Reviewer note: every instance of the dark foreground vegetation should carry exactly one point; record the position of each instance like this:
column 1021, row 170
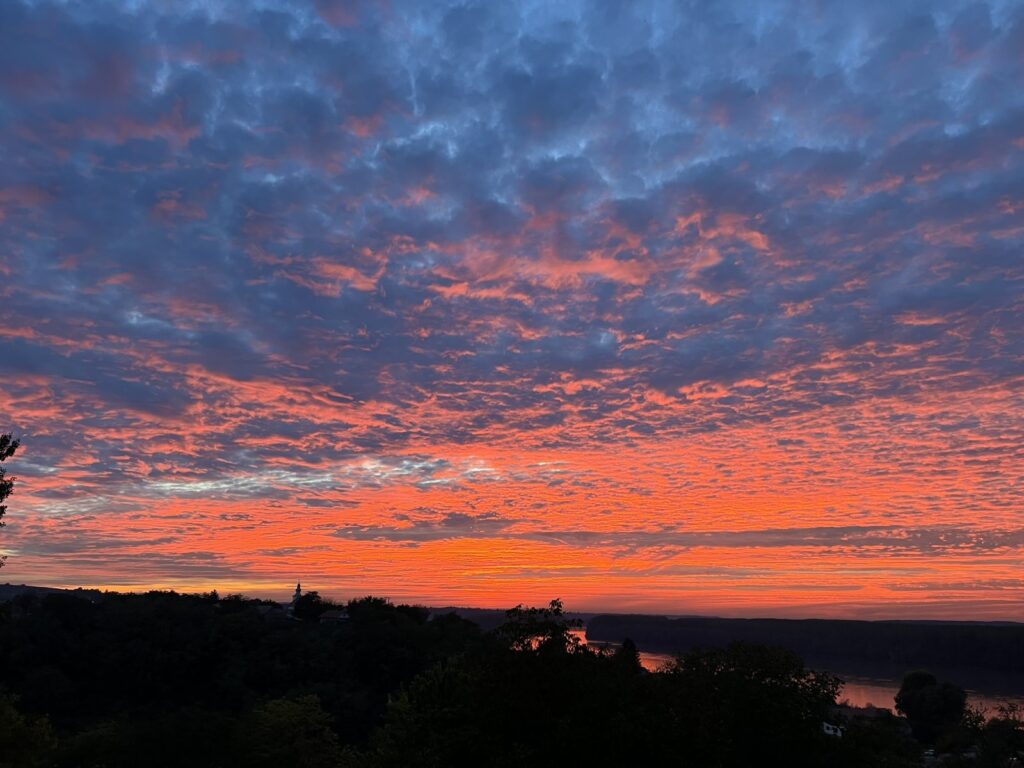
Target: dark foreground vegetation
column 163, row 679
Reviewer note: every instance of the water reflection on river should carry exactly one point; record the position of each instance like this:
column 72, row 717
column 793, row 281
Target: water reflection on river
column 862, row 691
column 649, row 661
column 858, row 690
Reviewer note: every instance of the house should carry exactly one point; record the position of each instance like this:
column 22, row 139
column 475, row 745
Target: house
column 832, row 730
column 334, row 616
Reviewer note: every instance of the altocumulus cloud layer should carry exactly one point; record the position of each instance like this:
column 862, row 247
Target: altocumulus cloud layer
column 698, row 306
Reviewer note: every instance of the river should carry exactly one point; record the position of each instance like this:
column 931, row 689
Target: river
column 859, row 690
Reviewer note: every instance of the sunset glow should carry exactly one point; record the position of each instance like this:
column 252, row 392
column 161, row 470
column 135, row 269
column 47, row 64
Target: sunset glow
column 710, row 309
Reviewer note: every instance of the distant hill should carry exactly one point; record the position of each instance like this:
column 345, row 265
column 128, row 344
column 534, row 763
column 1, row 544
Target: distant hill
column 11, row 591
column 997, row 647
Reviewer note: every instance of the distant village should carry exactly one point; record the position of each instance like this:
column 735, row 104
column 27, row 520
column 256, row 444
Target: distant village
column 285, row 611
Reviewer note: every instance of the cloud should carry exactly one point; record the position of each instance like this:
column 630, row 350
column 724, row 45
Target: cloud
column 447, row 526
column 874, row 539
column 335, row 259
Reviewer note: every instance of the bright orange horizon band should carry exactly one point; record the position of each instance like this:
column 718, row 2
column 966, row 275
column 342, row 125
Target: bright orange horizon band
column 755, row 522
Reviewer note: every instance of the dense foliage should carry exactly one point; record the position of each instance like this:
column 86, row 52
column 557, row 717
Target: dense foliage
column 196, row 680
column 932, row 708
column 8, row 447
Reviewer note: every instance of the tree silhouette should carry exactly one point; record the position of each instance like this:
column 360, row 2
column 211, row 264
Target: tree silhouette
column 932, row 708
column 24, row 741
column 539, row 628
column 291, row 731
column 8, row 445
column 627, row 656
column 310, row 606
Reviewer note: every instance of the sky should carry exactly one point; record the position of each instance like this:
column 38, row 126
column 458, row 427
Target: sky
column 701, row 307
